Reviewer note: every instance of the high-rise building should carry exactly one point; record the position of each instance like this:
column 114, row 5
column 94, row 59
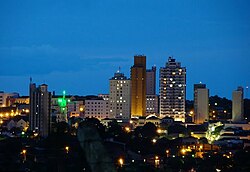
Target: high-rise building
column 173, row 90
column 152, row 104
column 201, row 104
column 151, row 81
column 138, row 86
column 119, row 96
column 40, row 109
column 238, row 105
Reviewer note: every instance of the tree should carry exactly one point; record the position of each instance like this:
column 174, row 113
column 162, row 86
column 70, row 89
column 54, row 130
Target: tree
column 95, row 123
column 149, row 130
column 179, row 129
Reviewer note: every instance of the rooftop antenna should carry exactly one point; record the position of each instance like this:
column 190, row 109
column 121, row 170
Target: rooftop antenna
column 247, row 92
column 119, row 69
column 30, row 80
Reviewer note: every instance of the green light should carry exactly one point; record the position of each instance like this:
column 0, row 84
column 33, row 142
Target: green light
column 62, row 102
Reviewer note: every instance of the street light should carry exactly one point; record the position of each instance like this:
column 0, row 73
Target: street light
column 127, row 129
column 183, row 151
column 24, row 151
column 154, row 140
column 67, row 149
column 159, row 131
column 121, row 162
column 157, row 161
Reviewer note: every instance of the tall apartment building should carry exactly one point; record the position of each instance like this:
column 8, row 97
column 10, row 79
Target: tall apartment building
column 173, row 90
column 40, row 109
column 151, row 81
column 119, row 96
column 238, row 105
column 138, row 86
column 201, row 104
column 152, row 104
column 152, row 100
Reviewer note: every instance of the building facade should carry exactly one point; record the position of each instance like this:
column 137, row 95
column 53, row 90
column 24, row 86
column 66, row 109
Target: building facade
column 40, row 109
column 152, row 105
column 201, row 104
column 151, row 81
column 138, row 86
column 173, row 90
column 5, row 96
column 119, row 96
column 238, row 105
column 97, row 108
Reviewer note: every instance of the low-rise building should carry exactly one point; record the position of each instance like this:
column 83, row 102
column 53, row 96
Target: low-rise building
column 96, row 107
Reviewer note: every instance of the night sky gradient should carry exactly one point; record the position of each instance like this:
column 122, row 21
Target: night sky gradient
column 78, row 45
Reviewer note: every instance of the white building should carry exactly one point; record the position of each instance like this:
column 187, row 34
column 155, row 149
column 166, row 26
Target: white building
column 201, row 103
column 119, row 96
column 238, row 105
column 173, row 90
column 97, row 108
column 152, row 105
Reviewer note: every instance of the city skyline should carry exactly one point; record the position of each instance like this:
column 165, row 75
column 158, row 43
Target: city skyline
column 66, row 45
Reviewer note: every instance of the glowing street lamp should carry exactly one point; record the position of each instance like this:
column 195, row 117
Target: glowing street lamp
column 159, row 131
column 154, row 140
column 67, row 149
column 167, row 152
column 183, row 151
column 157, row 161
column 127, row 129
column 24, row 152
column 121, row 162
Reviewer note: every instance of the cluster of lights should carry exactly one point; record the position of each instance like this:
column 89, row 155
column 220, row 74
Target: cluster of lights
column 211, row 135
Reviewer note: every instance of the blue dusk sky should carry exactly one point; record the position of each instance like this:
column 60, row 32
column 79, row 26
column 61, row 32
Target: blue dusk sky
column 77, row 45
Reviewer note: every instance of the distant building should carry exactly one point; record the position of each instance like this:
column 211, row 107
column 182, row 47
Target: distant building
column 119, row 96
column 173, row 90
column 96, row 107
column 152, row 104
column 5, row 96
column 76, row 107
column 153, row 119
column 201, row 103
column 138, row 86
column 40, row 109
column 151, row 81
column 18, row 122
column 238, row 105
column 11, row 101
